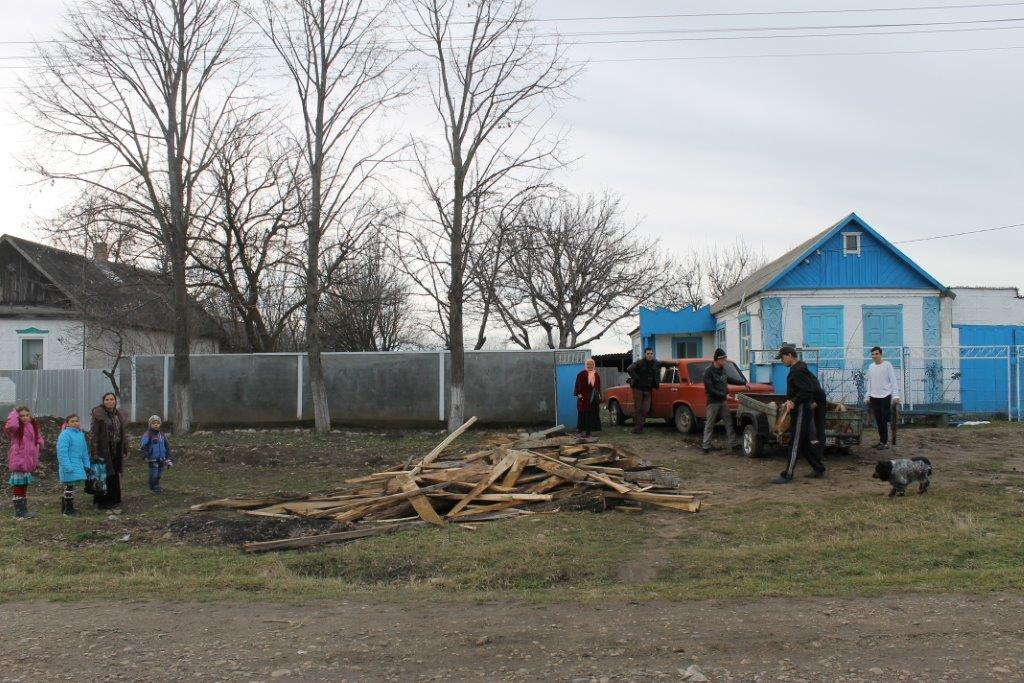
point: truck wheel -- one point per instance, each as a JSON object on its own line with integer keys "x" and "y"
{"x": 618, "y": 417}
{"x": 753, "y": 443}
{"x": 684, "y": 420}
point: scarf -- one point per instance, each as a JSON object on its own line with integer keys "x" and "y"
{"x": 113, "y": 427}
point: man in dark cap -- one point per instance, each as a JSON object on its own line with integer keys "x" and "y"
{"x": 644, "y": 377}
{"x": 806, "y": 400}
{"x": 716, "y": 388}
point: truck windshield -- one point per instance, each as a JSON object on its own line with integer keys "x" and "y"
{"x": 697, "y": 370}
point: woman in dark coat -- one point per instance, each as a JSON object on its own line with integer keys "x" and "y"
{"x": 588, "y": 399}
{"x": 107, "y": 441}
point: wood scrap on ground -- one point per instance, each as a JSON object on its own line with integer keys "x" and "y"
{"x": 540, "y": 473}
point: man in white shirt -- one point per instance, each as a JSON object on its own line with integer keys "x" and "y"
{"x": 883, "y": 393}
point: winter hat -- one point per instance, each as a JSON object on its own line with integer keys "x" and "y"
{"x": 155, "y": 418}
{"x": 719, "y": 353}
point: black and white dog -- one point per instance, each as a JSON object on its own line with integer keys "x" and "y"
{"x": 902, "y": 472}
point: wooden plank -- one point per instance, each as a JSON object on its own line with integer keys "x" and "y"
{"x": 420, "y": 503}
{"x": 628, "y": 509}
{"x": 496, "y": 472}
{"x": 307, "y": 541}
{"x": 241, "y": 503}
{"x": 561, "y": 470}
{"x": 544, "y": 433}
{"x": 549, "y": 483}
{"x": 354, "y": 510}
{"x": 496, "y": 497}
{"x": 655, "y": 497}
{"x": 617, "y": 471}
{"x": 477, "y": 512}
{"x": 523, "y": 460}
{"x": 614, "y": 485}
{"x": 432, "y": 455}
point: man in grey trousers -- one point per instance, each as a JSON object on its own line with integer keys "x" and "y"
{"x": 716, "y": 388}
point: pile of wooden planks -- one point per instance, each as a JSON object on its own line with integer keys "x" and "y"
{"x": 542, "y": 472}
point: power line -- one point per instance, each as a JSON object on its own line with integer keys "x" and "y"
{"x": 960, "y": 234}
{"x": 652, "y": 41}
{"x": 871, "y": 53}
{"x": 688, "y": 15}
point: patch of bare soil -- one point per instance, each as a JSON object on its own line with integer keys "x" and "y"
{"x": 917, "y": 638}
{"x": 990, "y": 455}
{"x": 231, "y": 528}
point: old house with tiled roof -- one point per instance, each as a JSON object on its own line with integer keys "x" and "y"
{"x": 50, "y": 297}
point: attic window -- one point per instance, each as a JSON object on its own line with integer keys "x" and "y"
{"x": 109, "y": 273}
{"x": 851, "y": 244}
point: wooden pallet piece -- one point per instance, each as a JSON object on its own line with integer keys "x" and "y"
{"x": 307, "y": 541}
{"x": 503, "y": 466}
{"x": 432, "y": 455}
{"x": 523, "y": 460}
{"x": 420, "y": 503}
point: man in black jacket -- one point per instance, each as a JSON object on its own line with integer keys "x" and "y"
{"x": 643, "y": 378}
{"x": 716, "y": 389}
{"x": 806, "y": 401}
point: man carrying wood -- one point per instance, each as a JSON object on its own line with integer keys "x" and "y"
{"x": 883, "y": 394}
{"x": 716, "y": 388}
{"x": 806, "y": 400}
{"x": 643, "y": 378}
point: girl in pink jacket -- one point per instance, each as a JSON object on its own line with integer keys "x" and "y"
{"x": 23, "y": 457}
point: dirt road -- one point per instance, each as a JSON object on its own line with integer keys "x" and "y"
{"x": 917, "y": 638}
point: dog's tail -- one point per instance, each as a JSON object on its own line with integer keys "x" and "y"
{"x": 926, "y": 461}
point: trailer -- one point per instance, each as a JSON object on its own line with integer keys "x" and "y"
{"x": 757, "y": 417}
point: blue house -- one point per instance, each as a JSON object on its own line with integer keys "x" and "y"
{"x": 843, "y": 291}
{"x": 675, "y": 333}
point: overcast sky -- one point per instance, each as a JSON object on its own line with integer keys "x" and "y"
{"x": 748, "y": 146}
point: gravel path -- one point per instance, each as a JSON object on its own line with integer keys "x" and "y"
{"x": 915, "y": 638}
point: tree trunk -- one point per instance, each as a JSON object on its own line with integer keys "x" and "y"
{"x": 457, "y": 408}
{"x": 181, "y": 383}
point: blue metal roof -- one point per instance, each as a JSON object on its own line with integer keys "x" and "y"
{"x": 818, "y": 263}
{"x": 683, "y": 321}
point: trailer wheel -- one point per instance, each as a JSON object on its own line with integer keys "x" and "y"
{"x": 684, "y": 420}
{"x": 753, "y": 442}
{"x": 618, "y": 417}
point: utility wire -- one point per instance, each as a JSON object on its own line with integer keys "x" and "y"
{"x": 960, "y": 234}
{"x": 688, "y": 15}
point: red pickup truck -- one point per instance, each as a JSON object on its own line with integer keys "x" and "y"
{"x": 680, "y": 398}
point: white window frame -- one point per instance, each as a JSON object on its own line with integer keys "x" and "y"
{"x": 852, "y": 252}
{"x": 22, "y": 338}
{"x": 746, "y": 341}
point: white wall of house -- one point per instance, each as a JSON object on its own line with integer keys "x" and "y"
{"x": 988, "y": 306}
{"x": 62, "y": 348}
{"x": 57, "y": 355}
{"x": 852, "y": 302}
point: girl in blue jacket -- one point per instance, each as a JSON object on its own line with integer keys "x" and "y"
{"x": 157, "y": 453}
{"x": 73, "y": 458}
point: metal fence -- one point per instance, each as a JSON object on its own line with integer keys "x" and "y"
{"x": 970, "y": 380}
{"x": 53, "y": 392}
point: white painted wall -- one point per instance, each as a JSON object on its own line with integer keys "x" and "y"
{"x": 62, "y": 348}
{"x": 56, "y": 354}
{"x": 663, "y": 344}
{"x": 987, "y": 306}
{"x": 852, "y": 302}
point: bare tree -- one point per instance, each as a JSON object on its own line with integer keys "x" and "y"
{"x": 246, "y": 252}
{"x": 135, "y": 94}
{"x": 343, "y": 77}
{"x": 576, "y": 269}
{"x": 490, "y": 79}
{"x": 369, "y": 308}
{"x": 704, "y": 275}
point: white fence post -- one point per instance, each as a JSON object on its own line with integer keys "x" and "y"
{"x": 1009, "y": 384}
{"x": 298, "y": 390}
{"x": 135, "y": 393}
{"x": 440, "y": 386}
{"x": 167, "y": 386}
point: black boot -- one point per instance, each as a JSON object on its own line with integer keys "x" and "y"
{"x": 21, "y": 509}
{"x": 67, "y": 507}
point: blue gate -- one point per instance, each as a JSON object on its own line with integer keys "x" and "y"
{"x": 990, "y": 368}
{"x": 567, "y": 365}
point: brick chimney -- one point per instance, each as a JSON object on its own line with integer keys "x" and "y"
{"x": 99, "y": 251}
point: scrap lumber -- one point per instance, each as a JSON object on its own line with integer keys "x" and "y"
{"x": 432, "y": 455}
{"x": 542, "y": 473}
{"x": 319, "y": 539}
{"x": 419, "y": 502}
{"x": 506, "y": 463}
